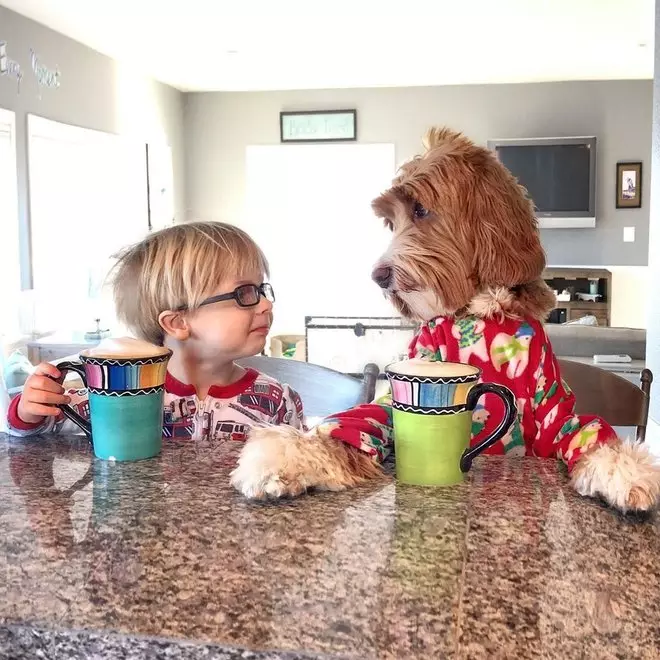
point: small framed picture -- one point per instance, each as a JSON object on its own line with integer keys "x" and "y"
{"x": 629, "y": 185}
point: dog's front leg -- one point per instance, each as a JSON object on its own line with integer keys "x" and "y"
{"x": 280, "y": 461}
{"x": 625, "y": 475}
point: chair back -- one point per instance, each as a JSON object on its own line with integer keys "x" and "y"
{"x": 608, "y": 395}
{"x": 323, "y": 391}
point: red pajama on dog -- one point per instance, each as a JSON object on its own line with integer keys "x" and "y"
{"x": 513, "y": 353}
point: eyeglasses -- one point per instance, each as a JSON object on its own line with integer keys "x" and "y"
{"x": 246, "y": 295}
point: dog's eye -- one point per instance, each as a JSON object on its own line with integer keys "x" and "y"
{"x": 419, "y": 212}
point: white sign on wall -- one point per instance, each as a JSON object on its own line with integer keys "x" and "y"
{"x": 318, "y": 126}
{"x": 8, "y": 67}
{"x": 45, "y": 77}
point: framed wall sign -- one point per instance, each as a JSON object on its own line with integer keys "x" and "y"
{"x": 629, "y": 185}
{"x": 319, "y": 126}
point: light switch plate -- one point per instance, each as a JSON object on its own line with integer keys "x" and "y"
{"x": 628, "y": 234}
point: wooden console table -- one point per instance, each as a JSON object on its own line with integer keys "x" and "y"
{"x": 576, "y": 280}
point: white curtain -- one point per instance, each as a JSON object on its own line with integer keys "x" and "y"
{"x": 88, "y": 199}
{"x": 9, "y": 250}
{"x": 308, "y": 207}
{"x": 4, "y": 396}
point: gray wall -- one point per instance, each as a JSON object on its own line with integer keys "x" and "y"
{"x": 218, "y": 126}
{"x": 95, "y": 92}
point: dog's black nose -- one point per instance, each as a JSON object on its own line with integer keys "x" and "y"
{"x": 382, "y": 276}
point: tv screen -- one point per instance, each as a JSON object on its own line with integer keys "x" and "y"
{"x": 558, "y": 174}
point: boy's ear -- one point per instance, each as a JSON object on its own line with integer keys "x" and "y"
{"x": 174, "y": 325}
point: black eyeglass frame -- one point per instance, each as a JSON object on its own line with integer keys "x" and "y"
{"x": 264, "y": 290}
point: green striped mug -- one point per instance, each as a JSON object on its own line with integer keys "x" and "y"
{"x": 432, "y": 406}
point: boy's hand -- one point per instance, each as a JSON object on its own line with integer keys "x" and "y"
{"x": 41, "y": 395}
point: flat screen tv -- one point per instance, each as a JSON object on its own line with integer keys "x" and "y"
{"x": 559, "y": 175}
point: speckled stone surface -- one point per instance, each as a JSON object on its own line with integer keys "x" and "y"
{"x": 162, "y": 559}
{"x": 27, "y": 643}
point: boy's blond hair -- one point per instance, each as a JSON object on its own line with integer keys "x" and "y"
{"x": 180, "y": 266}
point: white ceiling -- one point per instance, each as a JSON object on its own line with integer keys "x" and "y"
{"x": 307, "y": 44}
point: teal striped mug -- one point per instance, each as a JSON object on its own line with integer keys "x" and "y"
{"x": 125, "y": 381}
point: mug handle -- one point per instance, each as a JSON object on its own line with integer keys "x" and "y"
{"x": 510, "y": 413}
{"x": 68, "y": 411}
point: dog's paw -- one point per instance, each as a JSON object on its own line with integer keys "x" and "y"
{"x": 268, "y": 487}
{"x": 275, "y": 462}
{"x": 625, "y": 475}
{"x": 280, "y": 461}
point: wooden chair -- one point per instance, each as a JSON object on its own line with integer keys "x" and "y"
{"x": 612, "y": 397}
{"x": 323, "y": 391}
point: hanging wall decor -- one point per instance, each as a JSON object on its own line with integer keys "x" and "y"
{"x": 318, "y": 126}
{"x": 629, "y": 185}
{"x": 8, "y": 67}
{"x": 45, "y": 77}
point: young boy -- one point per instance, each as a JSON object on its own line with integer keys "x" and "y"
{"x": 199, "y": 290}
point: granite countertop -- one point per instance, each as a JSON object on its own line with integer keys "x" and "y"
{"x": 162, "y": 559}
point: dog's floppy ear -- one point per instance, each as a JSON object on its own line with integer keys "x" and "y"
{"x": 491, "y": 211}
{"x": 508, "y": 249}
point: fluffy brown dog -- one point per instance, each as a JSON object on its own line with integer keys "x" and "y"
{"x": 465, "y": 255}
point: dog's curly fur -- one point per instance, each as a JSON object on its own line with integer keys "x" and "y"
{"x": 279, "y": 461}
{"x": 477, "y": 252}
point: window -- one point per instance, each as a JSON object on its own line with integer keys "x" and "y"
{"x": 309, "y": 208}
{"x": 88, "y": 199}
{"x": 9, "y": 247}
